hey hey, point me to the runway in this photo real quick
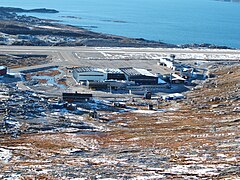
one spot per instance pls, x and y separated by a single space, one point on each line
117 49
119 57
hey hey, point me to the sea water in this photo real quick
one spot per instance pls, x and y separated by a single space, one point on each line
170 21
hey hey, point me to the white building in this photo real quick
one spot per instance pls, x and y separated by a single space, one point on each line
176 79
89 74
167 62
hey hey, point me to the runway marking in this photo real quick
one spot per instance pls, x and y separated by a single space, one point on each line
76 54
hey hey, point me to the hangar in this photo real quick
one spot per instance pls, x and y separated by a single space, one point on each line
89 74
139 76
97 74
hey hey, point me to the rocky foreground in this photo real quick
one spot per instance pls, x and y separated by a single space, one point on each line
196 138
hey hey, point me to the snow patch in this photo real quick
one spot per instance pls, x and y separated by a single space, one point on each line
144 111
5 155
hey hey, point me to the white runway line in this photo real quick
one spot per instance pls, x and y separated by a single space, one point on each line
76 54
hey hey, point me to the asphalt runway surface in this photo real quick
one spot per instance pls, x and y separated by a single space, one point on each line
146 58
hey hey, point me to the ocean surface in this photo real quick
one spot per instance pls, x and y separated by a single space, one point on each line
170 21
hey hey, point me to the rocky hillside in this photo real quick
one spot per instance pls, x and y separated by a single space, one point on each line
195 138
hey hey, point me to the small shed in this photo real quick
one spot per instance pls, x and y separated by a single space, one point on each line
3 70
147 95
176 79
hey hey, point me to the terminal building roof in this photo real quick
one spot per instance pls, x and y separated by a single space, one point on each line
93 69
89 69
129 71
113 71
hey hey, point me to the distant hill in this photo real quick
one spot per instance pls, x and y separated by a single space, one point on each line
20 10
236 1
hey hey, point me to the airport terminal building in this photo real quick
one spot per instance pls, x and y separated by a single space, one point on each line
123 78
97 75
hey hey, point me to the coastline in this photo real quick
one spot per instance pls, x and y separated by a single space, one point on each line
32 31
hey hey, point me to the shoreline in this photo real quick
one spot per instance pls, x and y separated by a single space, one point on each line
33 31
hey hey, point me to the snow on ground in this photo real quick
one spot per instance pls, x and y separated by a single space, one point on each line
149 177
5 155
150 55
188 169
144 111
49 27
3 96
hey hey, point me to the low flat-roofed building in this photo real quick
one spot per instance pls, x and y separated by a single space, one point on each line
176 79
108 84
166 62
170 63
76 97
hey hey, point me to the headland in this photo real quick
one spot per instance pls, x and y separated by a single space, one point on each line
18 29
